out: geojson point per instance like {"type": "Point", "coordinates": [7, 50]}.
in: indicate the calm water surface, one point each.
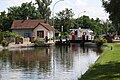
{"type": "Point", "coordinates": [54, 63]}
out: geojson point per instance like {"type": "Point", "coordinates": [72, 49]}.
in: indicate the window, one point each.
{"type": "Point", "coordinates": [40, 34]}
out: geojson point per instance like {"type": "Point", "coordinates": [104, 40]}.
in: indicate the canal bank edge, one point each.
{"type": "Point", "coordinates": [107, 66]}
{"type": "Point", "coordinates": [26, 45]}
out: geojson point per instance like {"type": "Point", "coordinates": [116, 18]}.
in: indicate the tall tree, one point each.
{"type": "Point", "coordinates": [43, 8]}
{"type": "Point", "coordinates": [64, 18]}
{"type": "Point", "coordinates": [3, 18]}
{"type": "Point", "coordinates": [4, 21]}
{"type": "Point", "coordinates": [89, 23]}
{"type": "Point", "coordinates": [113, 8]}
{"type": "Point", "coordinates": [85, 22]}
{"type": "Point", "coordinates": [26, 10]}
{"type": "Point", "coordinates": [108, 27]}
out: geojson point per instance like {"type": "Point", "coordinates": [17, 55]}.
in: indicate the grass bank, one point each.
{"type": "Point", "coordinates": [107, 67]}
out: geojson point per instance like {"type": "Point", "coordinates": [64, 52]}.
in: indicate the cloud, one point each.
{"type": "Point", "coordinates": [4, 4]}
{"type": "Point", "coordinates": [93, 8]}
{"type": "Point", "coordinates": [80, 3]}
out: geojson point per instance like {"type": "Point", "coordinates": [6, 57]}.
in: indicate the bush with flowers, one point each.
{"type": "Point", "coordinates": [99, 41]}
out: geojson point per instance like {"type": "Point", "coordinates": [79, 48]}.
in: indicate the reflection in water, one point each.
{"type": "Point", "coordinates": [54, 63]}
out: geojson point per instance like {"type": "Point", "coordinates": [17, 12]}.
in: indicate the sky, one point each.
{"type": "Point", "coordinates": [93, 8]}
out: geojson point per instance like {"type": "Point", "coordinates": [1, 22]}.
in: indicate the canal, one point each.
{"type": "Point", "coordinates": [52, 63]}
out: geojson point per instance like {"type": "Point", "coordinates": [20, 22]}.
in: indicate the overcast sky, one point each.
{"type": "Point", "coordinates": [93, 8]}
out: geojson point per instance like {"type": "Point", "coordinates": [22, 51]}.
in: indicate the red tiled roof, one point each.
{"type": "Point", "coordinates": [30, 24]}
{"type": "Point", "coordinates": [47, 26]}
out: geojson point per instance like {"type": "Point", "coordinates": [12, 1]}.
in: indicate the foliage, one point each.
{"type": "Point", "coordinates": [84, 22]}
{"type": "Point", "coordinates": [1, 36]}
{"type": "Point", "coordinates": [40, 9]}
{"type": "Point", "coordinates": [113, 8]}
{"type": "Point", "coordinates": [43, 8]}
{"type": "Point", "coordinates": [27, 10]}
{"type": "Point", "coordinates": [9, 34]}
{"type": "Point", "coordinates": [4, 21]}
{"type": "Point", "coordinates": [12, 35]}
{"type": "Point", "coordinates": [108, 27]}
{"type": "Point", "coordinates": [99, 41]}
{"type": "Point", "coordinates": [38, 42]}
{"type": "Point", "coordinates": [17, 13]}
{"type": "Point", "coordinates": [64, 35]}
{"type": "Point", "coordinates": [64, 18]}
{"type": "Point", "coordinates": [5, 43]}
{"type": "Point", "coordinates": [97, 25]}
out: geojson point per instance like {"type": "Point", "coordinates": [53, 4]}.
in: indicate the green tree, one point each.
{"type": "Point", "coordinates": [26, 10]}
{"type": "Point", "coordinates": [113, 8]}
{"type": "Point", "coordinates": [43, 8]}
{"type": "Point", "coordinates": [84, 22]}
{"type": "Point", "coordinates": [3, 18]}
{"type": "Point", "coordinates": [64, 18]}
{"type": "Point", "coordinates": [89, 23]}
{"type": "Point", "coordinates": [97, 26]}
{"type": "Point", "coordinates": [108, 27]}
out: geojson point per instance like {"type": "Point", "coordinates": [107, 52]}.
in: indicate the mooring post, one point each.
{"type": "Point", "coordinates": [111, 47]}
{"type": "Point", "coordinates": [83, 40]}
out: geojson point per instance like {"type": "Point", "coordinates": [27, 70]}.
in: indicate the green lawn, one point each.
{"type": "Point", "coordinates": [107, 66]}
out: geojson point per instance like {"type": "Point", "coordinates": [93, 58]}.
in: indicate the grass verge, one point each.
{"type": "Point", "coordinates": [107, 67]}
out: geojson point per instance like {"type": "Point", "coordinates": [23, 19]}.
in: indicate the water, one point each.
{"type": "Point", "coordinates": [54, 63]}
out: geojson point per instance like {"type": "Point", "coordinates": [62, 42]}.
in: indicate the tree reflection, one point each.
{"type": "Point", "coordinates": [64, 57]}
{"type": "Point", "coordinates": [98, 50]}
{"type": "Point", "coordinates": [28, 59]}
{"type": "Point", "coordinates": [50, 62]}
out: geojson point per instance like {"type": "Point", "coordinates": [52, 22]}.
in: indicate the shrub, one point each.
{"type": "Point", "coordinates": [5, 43]}
{"type": "Point", "coordinates": [18, 36]}
{"type": "Point", "coordinates": [64, 34]}
{"type": "Point", "coordinates": [38, 42]}
{"type": "Point", "coordinates": [99, 41]}
{"type": "Point", "coordinates": [9, 36]}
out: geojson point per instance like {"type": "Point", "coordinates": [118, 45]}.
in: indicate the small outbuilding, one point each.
{"type": "Point", "coordinates": [76, 34]}
{"type": "Point", "coordinates": [29, 28]}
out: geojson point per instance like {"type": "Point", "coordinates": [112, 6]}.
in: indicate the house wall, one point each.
{"type": "Point", "coordinates": [87, 31]}
{"type": "Point", "coordinates": [46, 32]}
{"type": "Point", "coordinates": [51, 33]}
{"type": "Point", "coordinates": [80, 33]}
{"type": "Point", "coordinates": [34, 32]}
{"type": "Point", "coordinates": [23, 32]}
